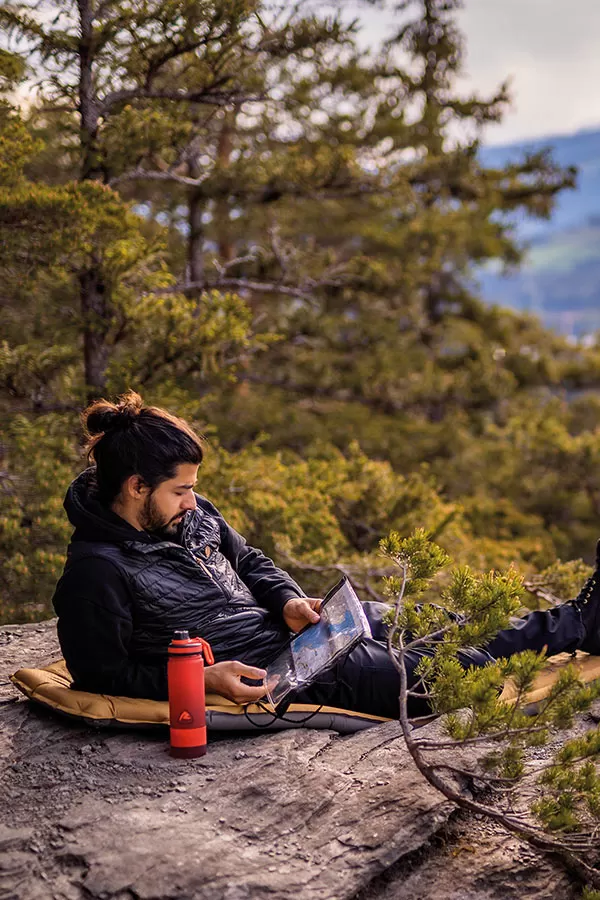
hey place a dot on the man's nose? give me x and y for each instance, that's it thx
(190, 503)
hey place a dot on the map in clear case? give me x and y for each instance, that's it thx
(342, 625)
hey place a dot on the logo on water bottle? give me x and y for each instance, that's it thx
(185, 717)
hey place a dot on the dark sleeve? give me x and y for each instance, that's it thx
(271, 587)
(95, 628)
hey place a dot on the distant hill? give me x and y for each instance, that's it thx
(560, 280)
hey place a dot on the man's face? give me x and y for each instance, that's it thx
(167, 504)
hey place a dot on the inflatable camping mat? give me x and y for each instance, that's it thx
(50, 687)
(587, 667)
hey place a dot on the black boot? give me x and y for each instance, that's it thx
(587, 603)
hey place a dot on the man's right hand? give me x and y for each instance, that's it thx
(224, 678)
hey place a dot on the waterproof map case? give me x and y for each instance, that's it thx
(317, 647)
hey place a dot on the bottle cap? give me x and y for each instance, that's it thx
(181, 635)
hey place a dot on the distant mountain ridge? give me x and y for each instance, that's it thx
(560, 280)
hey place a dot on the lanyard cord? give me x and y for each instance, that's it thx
(298, 722)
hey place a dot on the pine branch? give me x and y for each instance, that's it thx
(534, 836)
(260, 195)
(176, 49)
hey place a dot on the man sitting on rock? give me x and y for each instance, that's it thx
(149, 556)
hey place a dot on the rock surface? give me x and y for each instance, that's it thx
(303, 814)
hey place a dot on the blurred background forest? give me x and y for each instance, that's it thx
(236, 209)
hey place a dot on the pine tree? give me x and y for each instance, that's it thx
(486, 707)
(398, 331)
(247, 188)
(97, 60)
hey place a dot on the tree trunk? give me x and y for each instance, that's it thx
(196, 207)
(88, 106)
(224, 148)
(95, 308)
(95, 300)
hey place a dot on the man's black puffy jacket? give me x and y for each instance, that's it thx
(123, 593)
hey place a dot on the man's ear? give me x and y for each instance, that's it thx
(135, 487)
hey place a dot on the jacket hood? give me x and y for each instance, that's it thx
(91, 519)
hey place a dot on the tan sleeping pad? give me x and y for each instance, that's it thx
(587, 667)
(51, 687)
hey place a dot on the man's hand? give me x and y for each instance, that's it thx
(224, 678)
(301, 611)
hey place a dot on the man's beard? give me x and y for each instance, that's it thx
(153, 521)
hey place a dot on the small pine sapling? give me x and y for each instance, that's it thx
(475, 713)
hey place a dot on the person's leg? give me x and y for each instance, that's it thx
(368, 681)
(375, 613)
(561, 629)
(556, 630)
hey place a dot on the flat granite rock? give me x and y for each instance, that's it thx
(309, 815)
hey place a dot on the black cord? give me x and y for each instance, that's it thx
(298, 722)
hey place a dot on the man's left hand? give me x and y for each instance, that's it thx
(301, 611)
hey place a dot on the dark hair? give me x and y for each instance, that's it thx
(127, 438)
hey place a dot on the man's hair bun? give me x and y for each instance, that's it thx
(127, 438)
(102, 415)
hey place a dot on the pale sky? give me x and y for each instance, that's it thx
(549, 48)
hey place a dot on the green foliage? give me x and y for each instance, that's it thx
(419, 556)
(12, 70)
(49, 235)
(367, 388)
(481, 604)
(234, 209)
(490, 700)
(39, 457)
(17, 146)
(571, 785)
(171, 337)
(312, 515)
(420, 344)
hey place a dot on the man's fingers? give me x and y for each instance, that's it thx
(251, 693)
(248, 671)
(243, 693)
(310, 608)
(314, 603)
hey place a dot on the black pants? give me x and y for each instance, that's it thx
(367, 680)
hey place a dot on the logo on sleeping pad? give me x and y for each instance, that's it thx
(185, 718)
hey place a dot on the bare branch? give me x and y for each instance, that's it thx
(334, 567)
(481, 739)
(538, 588)
(466, 773)
(348, 571)
(140, 174)
(207, 96)
(243, 284)
(236, 261)
(433, 638)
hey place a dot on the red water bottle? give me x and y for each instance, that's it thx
(185, 674)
